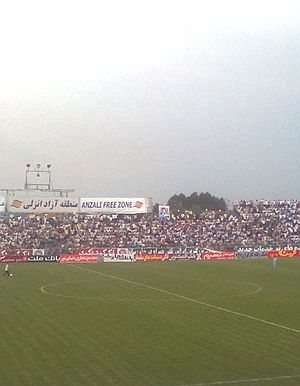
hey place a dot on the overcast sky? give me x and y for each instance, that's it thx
(153, 98)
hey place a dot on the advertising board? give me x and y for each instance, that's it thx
(78, 259)
(13, 259)
(88, 251)
(151, 256)
(252, 252)
(43, 259)
(284, 253)
(21, 252)
(118, 255)
(218, 255)
(113, 205)
(42, 205)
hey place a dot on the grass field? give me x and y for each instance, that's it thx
(151, 324)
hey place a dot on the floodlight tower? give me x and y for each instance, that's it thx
(39, 179)
(33, 174)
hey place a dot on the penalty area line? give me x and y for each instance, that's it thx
(191, 300)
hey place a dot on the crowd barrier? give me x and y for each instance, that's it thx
(128, 255)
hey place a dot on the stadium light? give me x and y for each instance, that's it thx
(38, 177)
(38, 169)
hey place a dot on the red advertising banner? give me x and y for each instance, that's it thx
(218, 255)
(13, 259)
(21, 252)
(284, 253)
(151, 256)
(78, 258)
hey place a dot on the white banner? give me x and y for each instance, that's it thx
(114, 205)
(118, 255)
(43, 205)
(2, 204)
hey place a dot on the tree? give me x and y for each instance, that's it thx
(176, 203)
(197, 203)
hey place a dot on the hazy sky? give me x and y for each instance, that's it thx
(136, 98)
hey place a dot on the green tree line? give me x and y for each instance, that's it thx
(196, 202)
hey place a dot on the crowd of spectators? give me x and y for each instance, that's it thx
(248, 224)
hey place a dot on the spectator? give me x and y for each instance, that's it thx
(252, 223)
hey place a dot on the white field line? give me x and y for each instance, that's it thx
(47, 292)
(191, 300)
(237, 381)
(106, 299)
(43, 289)
(258, 289)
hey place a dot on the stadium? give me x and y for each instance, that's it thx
(210, 299)
(166, 251)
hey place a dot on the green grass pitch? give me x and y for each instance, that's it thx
(151, 324)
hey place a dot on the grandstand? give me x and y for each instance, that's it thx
(67, 322)
(62, 224)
